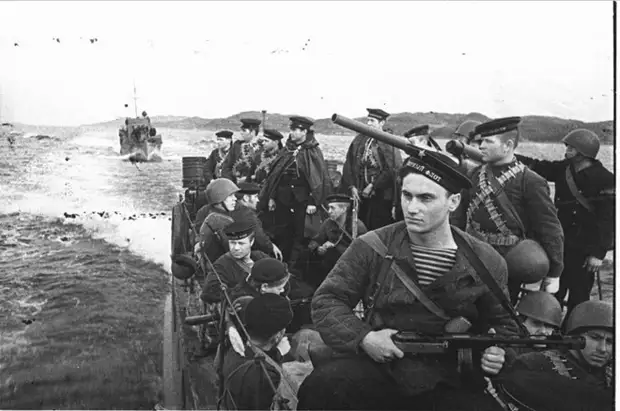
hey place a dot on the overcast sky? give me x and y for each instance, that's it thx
(214, 59)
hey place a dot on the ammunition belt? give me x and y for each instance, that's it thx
(493, 239)
(485, 194)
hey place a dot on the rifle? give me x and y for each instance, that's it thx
(354, 210)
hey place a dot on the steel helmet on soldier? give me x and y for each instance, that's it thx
(466, 128)
(584, 141)
(219, 189)
(590, 314)
(527, 262)
(541, 306)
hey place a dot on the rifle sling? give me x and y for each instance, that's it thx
(487, 278)
(504, 202)
(373, 240)
(572, 186)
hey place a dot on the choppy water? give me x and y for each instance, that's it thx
(81, 300)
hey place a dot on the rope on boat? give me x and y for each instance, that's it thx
(224, 289)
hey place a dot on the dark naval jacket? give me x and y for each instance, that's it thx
(592, 232)
(239, 163)
(213, 166)
(230, 271)
(529, 194)
(460, 292)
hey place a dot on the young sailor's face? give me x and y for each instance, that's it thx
(239, 249)
(374, 123)
(426, 205)
(250, 200)
(335, 210)
(599, 347)
(222, 143)
(493, 149)
(270, 144)
(298, 135)
(247, 134)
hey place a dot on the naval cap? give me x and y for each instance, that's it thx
(338, 198)
(271, 134)
(267, 314)
(269, 270)
(224, 134)
(497, 126)
(417, 131)
(239, 229)
(377, 113)
(301, 122)
(439, 168)
(248, 188)
(251, 123)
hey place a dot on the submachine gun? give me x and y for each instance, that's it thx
(457, 340)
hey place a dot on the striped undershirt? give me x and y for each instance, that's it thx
(432, 263)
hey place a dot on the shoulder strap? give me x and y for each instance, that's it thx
(572, 186)
(487, 278)
(373, 240)
(504, 202)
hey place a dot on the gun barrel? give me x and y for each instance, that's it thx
(570, 342)
(457, 149)
(396, 141)
(201, 319)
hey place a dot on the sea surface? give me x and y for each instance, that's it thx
(81, 297)
(84, 266)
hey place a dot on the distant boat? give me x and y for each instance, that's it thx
(138, 138)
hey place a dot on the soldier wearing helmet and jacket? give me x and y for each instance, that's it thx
(585, 200)
(215, 217)
(580, 379)
(540, 312)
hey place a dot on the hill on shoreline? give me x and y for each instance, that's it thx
(534, 128)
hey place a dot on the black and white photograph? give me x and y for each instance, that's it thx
(308, 205)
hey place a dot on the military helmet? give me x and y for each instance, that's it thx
(541, 306)
(584, 141)
(219, 189)
(466, 129)
(527, 262)
(590, 314)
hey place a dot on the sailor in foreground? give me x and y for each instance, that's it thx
(297, 183)
(578, 379)
(585, 200)
(509, 207)
(213, 167)
(247, 200)
(239, 163)
(249, 380)
(368, 174)
(415, 275)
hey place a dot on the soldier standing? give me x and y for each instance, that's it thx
(264, 158)
(369, 173)
(585, 200)
(579, 379)
(239, 164)
(213, 167)
(414, 275)
(509, 203)
(247, 200)
(297, 183)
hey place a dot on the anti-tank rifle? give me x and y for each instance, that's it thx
(454, 147)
